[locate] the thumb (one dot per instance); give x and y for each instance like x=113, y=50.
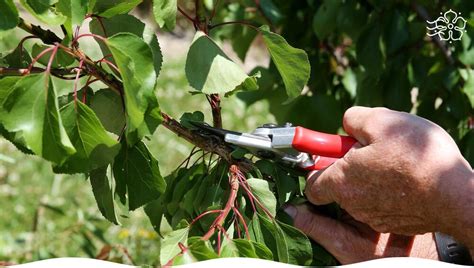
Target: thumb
x=358, y=122
x=335, y=236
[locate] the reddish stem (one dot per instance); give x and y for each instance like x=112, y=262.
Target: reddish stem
x=237, y=227
x=51, y=58
x=75, y=40
x=41, y=54
x=110, y=64
x=204, y=214
x=239, y=216
x=79, y=70
x=186, y=15
x=234, y=187
x=20, y=45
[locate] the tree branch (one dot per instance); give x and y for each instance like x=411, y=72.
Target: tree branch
x=422, y=13
x=91, y=68
x=215, y=102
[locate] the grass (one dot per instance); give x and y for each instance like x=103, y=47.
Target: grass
x=47, y=215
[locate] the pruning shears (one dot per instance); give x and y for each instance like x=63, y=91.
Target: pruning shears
x=295, y=146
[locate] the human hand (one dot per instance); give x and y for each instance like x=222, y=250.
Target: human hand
x=351, y=241
x=406, y=175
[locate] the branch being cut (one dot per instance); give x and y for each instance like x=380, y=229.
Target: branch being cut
x=92, y=68
x=215, y=102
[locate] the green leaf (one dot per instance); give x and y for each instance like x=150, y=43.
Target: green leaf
x=129, y=24
x=262, y=251
x=292, y=63
x=17, y=58
x=136, y=171
x=103, y=193
x=229, y=248
x=165, y=13
x=349, y=81
x=7, y=85
x=9, y=18
x=61, y=59
x=186, y=118
x=271, y=11
x=324, y=22
x=252, y=249
x=396, y=32
x=94, y=147
x=135, y=61
x=201, y=250
x=351, y=18
x=169, y=244
x=45, y=11
x=154, y=211
x=209, y=70
x=242, y=38
x=262, y=192
x=370, y=49
x=468, y=75
x=292, y=246
x=66, y=99
x=183, y=258
x=32, y=108
x=107, y=105
x=110, y=8
x=75, y=11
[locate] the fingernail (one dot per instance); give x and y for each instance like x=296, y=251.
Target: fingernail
x=290, y=210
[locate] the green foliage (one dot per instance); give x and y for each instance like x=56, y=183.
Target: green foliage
x=209, y=70
x=292, y=63
x=8, y=15
x=165, y=13
x=35, y=115
x=137, y=174
x=325, y=56
x=135, y=61
x=45, y=11
x=94, y=147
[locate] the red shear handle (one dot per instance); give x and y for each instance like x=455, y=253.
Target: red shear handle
x=321, y=162
x=323, y=144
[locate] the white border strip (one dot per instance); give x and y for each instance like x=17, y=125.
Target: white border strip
x=238, y=263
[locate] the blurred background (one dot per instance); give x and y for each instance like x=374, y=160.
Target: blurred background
x=362, y=52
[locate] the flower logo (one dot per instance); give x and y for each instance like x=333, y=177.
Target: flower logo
x=448, y=27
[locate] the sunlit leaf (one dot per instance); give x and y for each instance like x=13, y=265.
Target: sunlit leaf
x=169, y=244
x=94, y=147
x=209, y=70
x=45, y=11
x=110, y=8
x=32, y=109
x=74, y=10
x=135, y=62
x=263, y=193
x=292, y=63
